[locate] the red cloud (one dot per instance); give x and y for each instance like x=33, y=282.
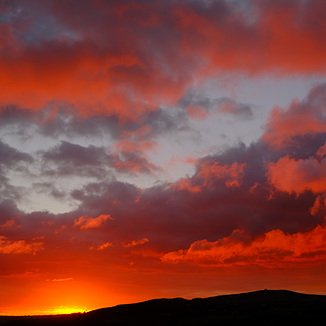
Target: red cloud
x=297, y=176
x=85, y=223
x=321, y=153
x=8, y=224
x=275, y=248
x=135, y=58
x=300, y=119
x=211, y=171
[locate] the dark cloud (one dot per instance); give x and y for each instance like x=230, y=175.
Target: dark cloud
x=9, y=156
x=76, y=155
x=8, y=211
x=93, y=161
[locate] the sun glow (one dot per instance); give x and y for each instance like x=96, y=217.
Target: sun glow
x=63, y=310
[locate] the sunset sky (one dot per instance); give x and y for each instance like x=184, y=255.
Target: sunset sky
x=155, y=149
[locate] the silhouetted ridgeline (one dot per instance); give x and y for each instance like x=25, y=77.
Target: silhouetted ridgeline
x=267, y=307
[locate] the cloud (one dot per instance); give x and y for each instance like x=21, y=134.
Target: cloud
x=275, y=248
x=10, y=156
x=135, y=243
x=8, y=211
x=228, y=105
x=241, y=188
x=85, y=223
x=62, y=279
x=199, y=105
x=134, y=163
x=137, y=66
x=94, y=97
x=286, y=126
x=212, y=170
x=321, y=153
x=298, y=176
x=46, y=187
x=104, y=245
x=8, y=224
x=19, y=247
x=76, y=154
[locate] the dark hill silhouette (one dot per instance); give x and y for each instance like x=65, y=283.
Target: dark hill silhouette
x=265, y=307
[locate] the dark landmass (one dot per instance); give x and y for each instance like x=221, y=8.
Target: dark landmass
x=266, y=307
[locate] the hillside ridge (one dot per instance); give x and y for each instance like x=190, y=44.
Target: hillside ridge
x=258, y=307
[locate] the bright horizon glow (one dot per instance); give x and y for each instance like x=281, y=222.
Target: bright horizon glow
x=62, y=310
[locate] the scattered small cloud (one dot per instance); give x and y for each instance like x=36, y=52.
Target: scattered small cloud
x=135, y=243
x=85, y=223
x=19, y=246
x=62, y=279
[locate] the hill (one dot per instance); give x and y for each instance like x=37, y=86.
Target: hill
x=266, y=307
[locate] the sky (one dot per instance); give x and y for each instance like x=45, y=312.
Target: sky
x=154, y=149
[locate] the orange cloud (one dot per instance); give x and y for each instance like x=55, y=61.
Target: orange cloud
x=186, y=184
x=297, y=176
x=19, y=247
x=8, y=224
x=102, y=246
x=275, y=248
x=135, y=243
x=85, y=223
x=62, y=279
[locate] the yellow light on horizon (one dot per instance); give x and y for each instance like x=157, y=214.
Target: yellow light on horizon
x=63, y=310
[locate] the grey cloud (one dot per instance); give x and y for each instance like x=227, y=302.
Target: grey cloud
x=76, y=155
x=64, y=120
x=49, y=188
x=10, y=156
x=165, y=121
x=223, y=105
x=33, y=23
x=92, y=161
x=132, y=163
x=8, y=211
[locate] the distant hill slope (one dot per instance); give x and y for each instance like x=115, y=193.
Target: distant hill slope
x=266, y=307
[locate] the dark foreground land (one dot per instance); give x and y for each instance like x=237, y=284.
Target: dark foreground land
x=267, y=307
